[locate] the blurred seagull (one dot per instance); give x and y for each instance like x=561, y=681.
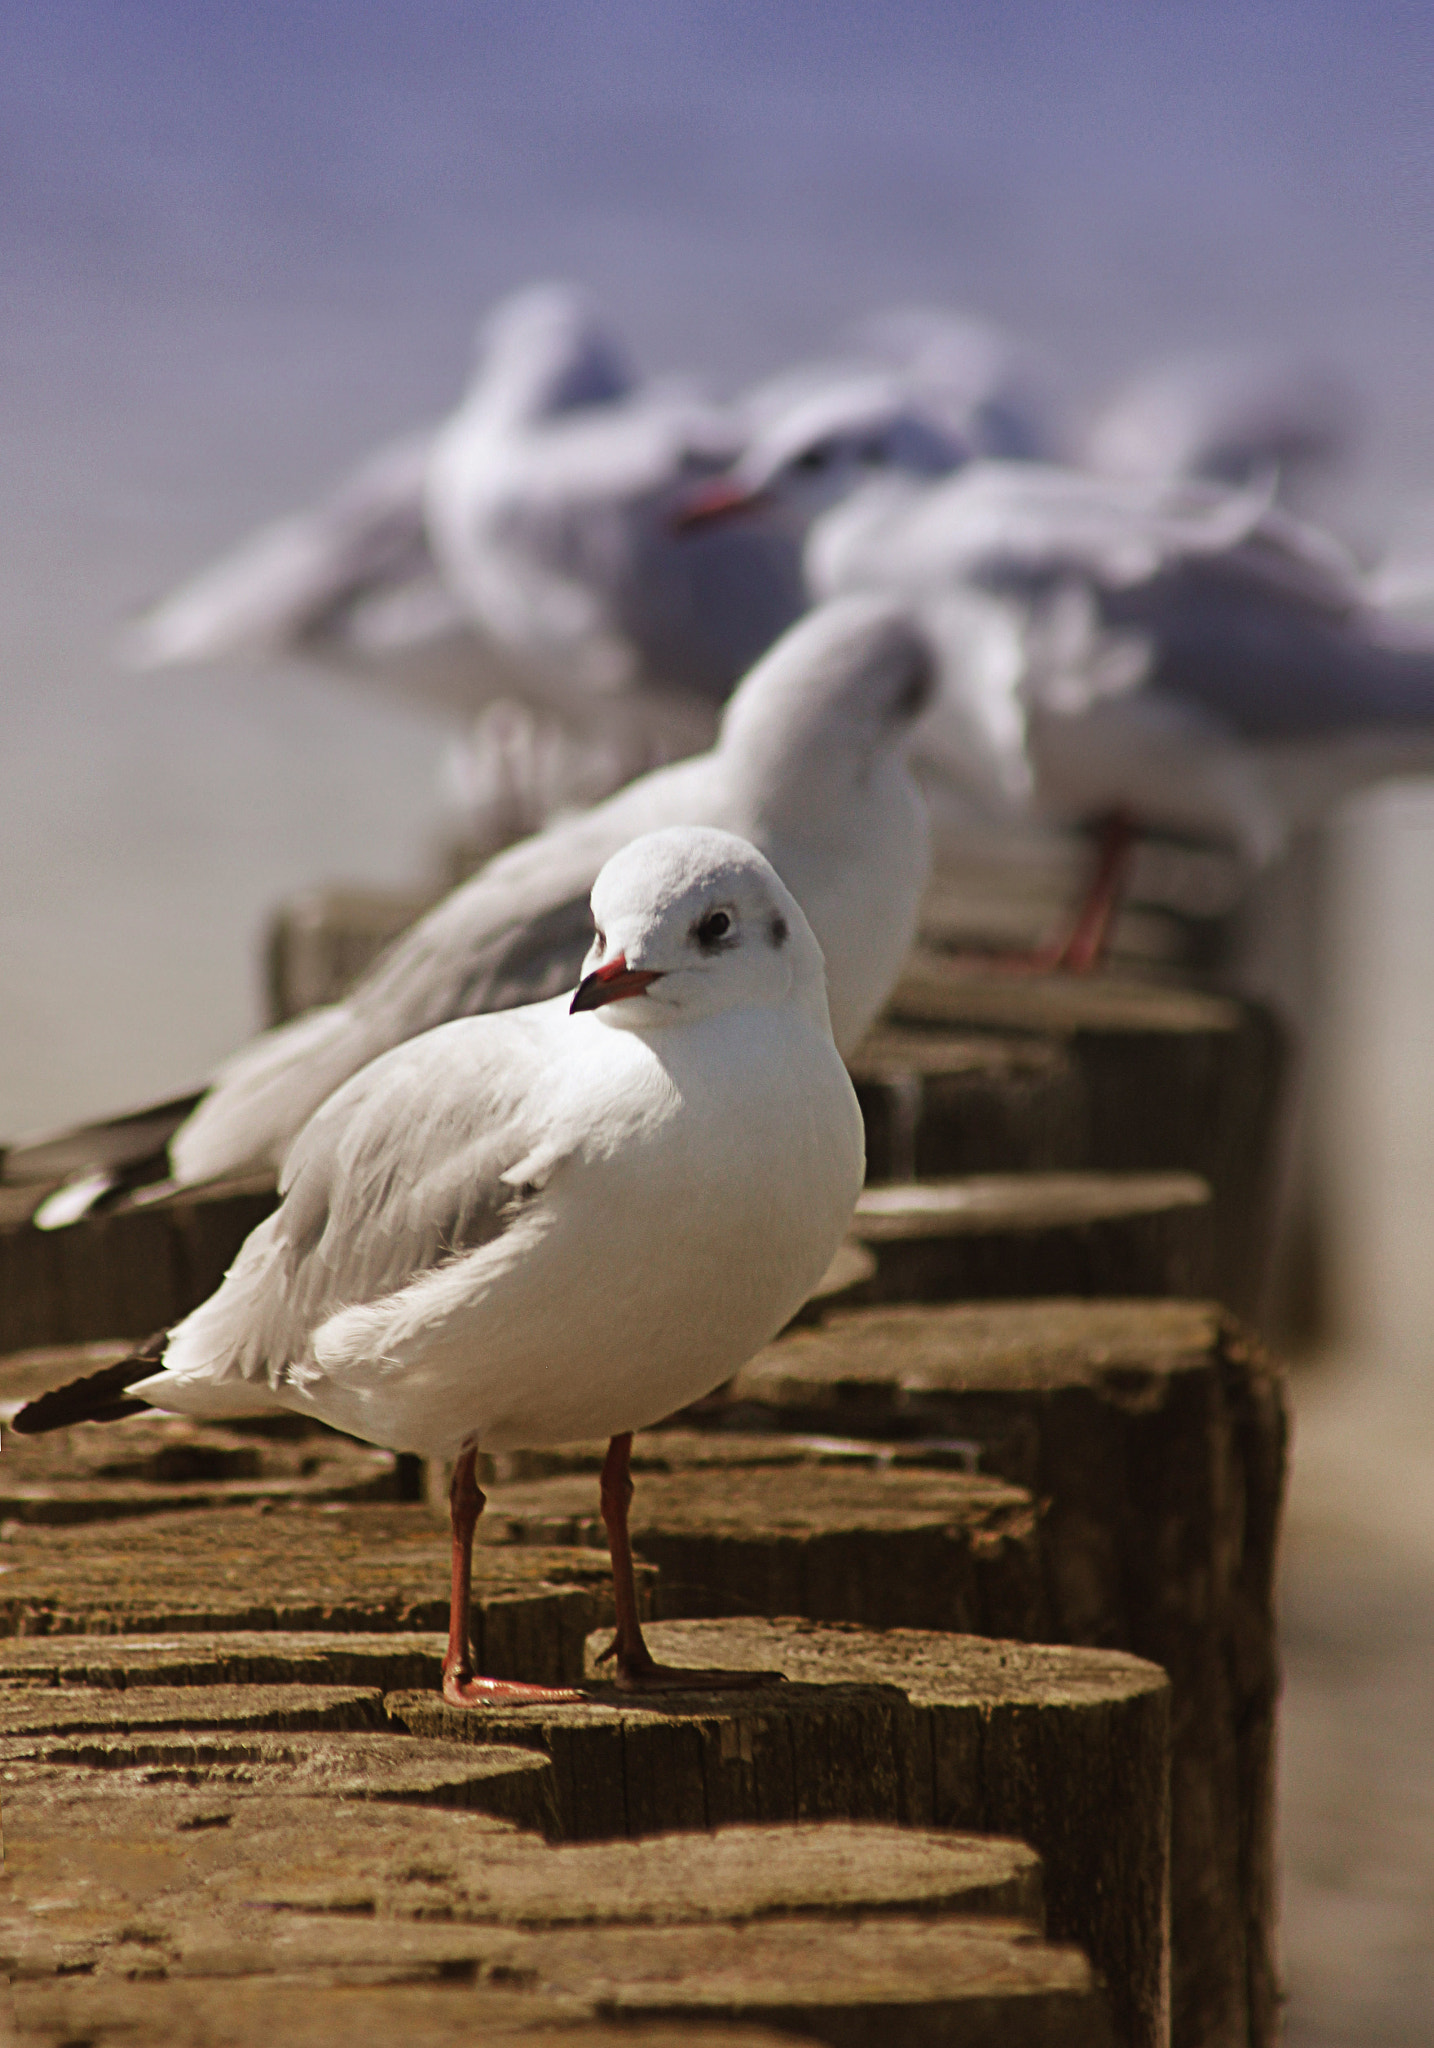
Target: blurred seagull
x=997, y=392
x=1177, y=654
x=991, y=394
x=565, y=1221
x=353, y=579
x=521, y=550
x=555, y=536
x=810, y=766
x=1232, y=417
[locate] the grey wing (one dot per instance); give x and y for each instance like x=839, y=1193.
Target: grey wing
x=1230, y=416
x=528, y=963
x=467, y=956
x=517, y=932
x=298, y=579
x=1010, y=525
x=399, y=1171
x=1278, y=636
x=457, y=964
x=114, y=1145
x=458, y=961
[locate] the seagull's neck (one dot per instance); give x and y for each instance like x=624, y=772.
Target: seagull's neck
x=576, y=376
x=832, y=552
x=815, y=787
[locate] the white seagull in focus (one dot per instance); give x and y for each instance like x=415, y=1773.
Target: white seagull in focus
x=565, y=1221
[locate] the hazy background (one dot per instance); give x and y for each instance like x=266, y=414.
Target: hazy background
x=239, y=249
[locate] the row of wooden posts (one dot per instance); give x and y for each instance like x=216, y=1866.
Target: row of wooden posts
x=999, y=1512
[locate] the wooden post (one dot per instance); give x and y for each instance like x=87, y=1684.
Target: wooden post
x=1153, y=1434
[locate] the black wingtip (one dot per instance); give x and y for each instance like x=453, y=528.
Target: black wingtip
x=98, y=1397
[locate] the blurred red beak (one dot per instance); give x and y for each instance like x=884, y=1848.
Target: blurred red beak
x=610, y=983
x=711, y=503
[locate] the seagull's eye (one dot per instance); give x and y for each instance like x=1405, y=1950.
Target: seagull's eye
x=916, y=693
x=813, y=460
x=712, y=929
x=600, y=941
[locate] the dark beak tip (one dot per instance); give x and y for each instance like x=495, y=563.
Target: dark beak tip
x=714, y=504
x=613, y=983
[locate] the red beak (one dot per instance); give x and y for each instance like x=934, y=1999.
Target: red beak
x=610, y=983
x=711, y=503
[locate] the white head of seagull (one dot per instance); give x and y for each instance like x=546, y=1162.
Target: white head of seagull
x=838, y=692
x=543, y=352
x=830, y=442
x=692, y=922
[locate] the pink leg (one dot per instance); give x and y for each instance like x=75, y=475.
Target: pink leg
x=1086, y=945
x=461, y=1687
x=637, y=1671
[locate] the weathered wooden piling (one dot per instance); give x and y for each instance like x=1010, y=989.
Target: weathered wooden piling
x=964, y=1984
x=1065, y=1748
x=978, y=1071
x=333, y=1569
x=256, y=2012
x=510, y=1784
x=162, y=1464
x=990, y=1237
x=759, y=1535
x=126, y=1272
x=1153, y=1435
x=213, y=1891
x=85, y=1759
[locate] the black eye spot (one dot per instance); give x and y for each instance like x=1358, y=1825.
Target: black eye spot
x=779, y=931
x=916, y=693
x=812, y=460
x=712, y=930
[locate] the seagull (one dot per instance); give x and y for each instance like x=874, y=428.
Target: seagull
x=1230, y=416
x=810, y=766
x=916, y=391
x=829, y=437
x=521, y=548
x=352, y=580
x=989, y=392
x=1175, y=654
x=996, y=390
x=564, y=1221
x=519, y=553
x=554, y=534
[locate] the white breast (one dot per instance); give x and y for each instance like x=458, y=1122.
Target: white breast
x=716, y=1187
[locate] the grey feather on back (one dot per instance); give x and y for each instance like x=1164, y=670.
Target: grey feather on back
x=531, y=961
x=455, y=964
x=400, y=1171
